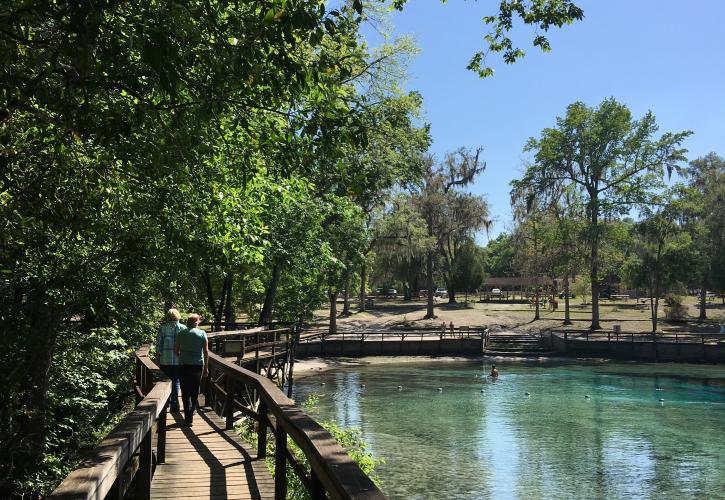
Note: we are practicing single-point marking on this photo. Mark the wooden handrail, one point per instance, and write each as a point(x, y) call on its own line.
point(109, 470)
point(666, 336)
point(457, 333)
point(331, 467)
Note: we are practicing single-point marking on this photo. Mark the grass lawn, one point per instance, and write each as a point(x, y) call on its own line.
point(388, 313)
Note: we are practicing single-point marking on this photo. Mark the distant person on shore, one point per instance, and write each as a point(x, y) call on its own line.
point(192, 349)
point(166, 355)
point(494, 372)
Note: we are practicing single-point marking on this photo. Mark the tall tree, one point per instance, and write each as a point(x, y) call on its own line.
point(659, 257)
point(464, 215)
point(438, 192)
point(402, 244)
point(613, 160)
point(468, 270)
point(529, 237)
point(705, 220)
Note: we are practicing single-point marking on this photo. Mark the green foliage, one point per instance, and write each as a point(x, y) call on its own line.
point(468, 270)
point(627, 171)
point(148, 146)
point(582, 287)
point(500, 257)
point(675, 309)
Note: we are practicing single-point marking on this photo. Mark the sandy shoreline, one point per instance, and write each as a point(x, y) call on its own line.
point(310, 366)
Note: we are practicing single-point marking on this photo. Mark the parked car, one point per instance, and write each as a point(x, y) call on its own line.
point(496, 291)
point(422, 293)
point(441, 292)
point(571, 295)
point(392, 292)
point(379, 290)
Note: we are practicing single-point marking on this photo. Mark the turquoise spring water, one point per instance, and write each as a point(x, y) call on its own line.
point(584, 430)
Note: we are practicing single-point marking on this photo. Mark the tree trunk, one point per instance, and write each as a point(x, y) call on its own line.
point(652, 304)
point(567, 317)
point(228, 310)
point(703, 302)
point(220, 310)
point(211, 303)
point(430, 314)
point(363, 286)
point(594, 269)
point(654, 315)
point(536, 299)
point(333, 311)
point(265, 317)
point(451, 292)
point(346, 305)
point(41, 346)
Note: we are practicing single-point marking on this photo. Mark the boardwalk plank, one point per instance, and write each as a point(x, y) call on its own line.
point(207, 461)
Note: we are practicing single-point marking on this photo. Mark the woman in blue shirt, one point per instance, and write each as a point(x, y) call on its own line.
point(166, 355)
point(192, 349)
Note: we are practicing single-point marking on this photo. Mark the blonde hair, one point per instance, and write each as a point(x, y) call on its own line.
point(191, 319)
point(173, 315)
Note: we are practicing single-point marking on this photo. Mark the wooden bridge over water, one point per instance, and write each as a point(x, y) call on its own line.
point(150, 455)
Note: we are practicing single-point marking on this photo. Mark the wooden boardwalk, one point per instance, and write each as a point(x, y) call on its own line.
point(207, 461)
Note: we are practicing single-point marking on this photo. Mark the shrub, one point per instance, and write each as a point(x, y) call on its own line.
point(675, 310)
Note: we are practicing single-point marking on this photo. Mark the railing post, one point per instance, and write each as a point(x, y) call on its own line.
point(208, 389)
point(139, 379)
point(280, 463)
point(317, 491)
point(145, 468)
point(262, 431)
point(256, 353)
point(161, 436)
point(229, 404)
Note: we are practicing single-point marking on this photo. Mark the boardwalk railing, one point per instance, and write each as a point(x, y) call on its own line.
point(461, 332)
point(234, 392)
point(127, 456)
point(619, 336)
point(666, 346)
point(261, 341)
point(461, 341)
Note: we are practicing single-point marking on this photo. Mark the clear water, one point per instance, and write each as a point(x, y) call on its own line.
point(478, 438)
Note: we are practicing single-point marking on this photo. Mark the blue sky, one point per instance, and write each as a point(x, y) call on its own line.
point(667, 56)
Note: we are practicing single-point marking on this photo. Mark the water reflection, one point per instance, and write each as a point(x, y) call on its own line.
point(583, 431)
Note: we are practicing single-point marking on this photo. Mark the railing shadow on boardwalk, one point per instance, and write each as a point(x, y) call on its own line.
point(218, 470)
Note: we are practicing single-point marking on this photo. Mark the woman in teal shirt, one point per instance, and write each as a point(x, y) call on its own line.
point(192, 348)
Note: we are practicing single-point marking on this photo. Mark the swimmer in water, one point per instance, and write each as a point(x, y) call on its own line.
point(494, 372)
